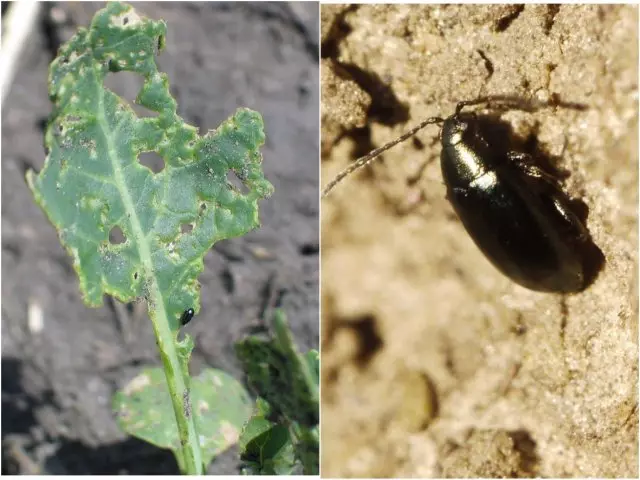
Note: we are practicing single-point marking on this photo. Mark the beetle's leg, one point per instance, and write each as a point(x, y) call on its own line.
point(525, 163)
point(513, 102)
point(572, 224)
point(509, 102)
point(414, 177)
point(416, 193)
point(559, 200)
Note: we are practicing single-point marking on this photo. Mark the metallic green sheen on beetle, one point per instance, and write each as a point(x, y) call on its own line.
point(186, 316)
point(515, 212)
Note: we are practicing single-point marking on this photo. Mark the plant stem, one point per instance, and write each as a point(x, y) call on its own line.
point(178, 385)
point(284, 338)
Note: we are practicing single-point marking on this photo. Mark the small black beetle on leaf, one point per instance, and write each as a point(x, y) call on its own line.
point(186, 316)
point(514, 211)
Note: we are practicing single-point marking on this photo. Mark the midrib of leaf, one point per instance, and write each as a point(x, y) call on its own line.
point(175, 380)
point(140, 239)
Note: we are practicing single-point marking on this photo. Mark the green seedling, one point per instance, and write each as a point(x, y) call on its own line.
point(283, 431)
point(92, 185)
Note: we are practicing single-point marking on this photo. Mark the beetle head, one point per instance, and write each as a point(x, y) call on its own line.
point(456, 128)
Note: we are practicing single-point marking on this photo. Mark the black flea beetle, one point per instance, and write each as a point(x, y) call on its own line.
point(186, 316)
point(514, 211)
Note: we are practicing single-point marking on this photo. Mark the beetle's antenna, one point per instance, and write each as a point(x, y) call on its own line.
point(518, 103)
point(372, 155)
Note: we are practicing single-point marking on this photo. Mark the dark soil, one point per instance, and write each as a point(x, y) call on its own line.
point(57, 383)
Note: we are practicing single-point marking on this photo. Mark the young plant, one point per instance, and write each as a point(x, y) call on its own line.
point(283, 431)
point(92, 185)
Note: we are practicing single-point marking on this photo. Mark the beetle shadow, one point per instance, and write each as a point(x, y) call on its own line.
point(501, 137)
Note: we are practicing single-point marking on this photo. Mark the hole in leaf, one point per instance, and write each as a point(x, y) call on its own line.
point(186, 228)
point(127, 85)
point(199, 124)
point(234, 180)
point(152, 161)
point(116, 236)
point(135, 275)
point(126, 18)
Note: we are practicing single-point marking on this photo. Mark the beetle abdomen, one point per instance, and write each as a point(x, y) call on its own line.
point(520, 232)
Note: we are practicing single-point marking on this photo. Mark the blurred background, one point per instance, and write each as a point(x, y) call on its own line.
point(434, 364)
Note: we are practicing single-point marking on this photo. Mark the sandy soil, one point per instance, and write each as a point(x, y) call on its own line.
point(57, 383)
point(433, 363)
